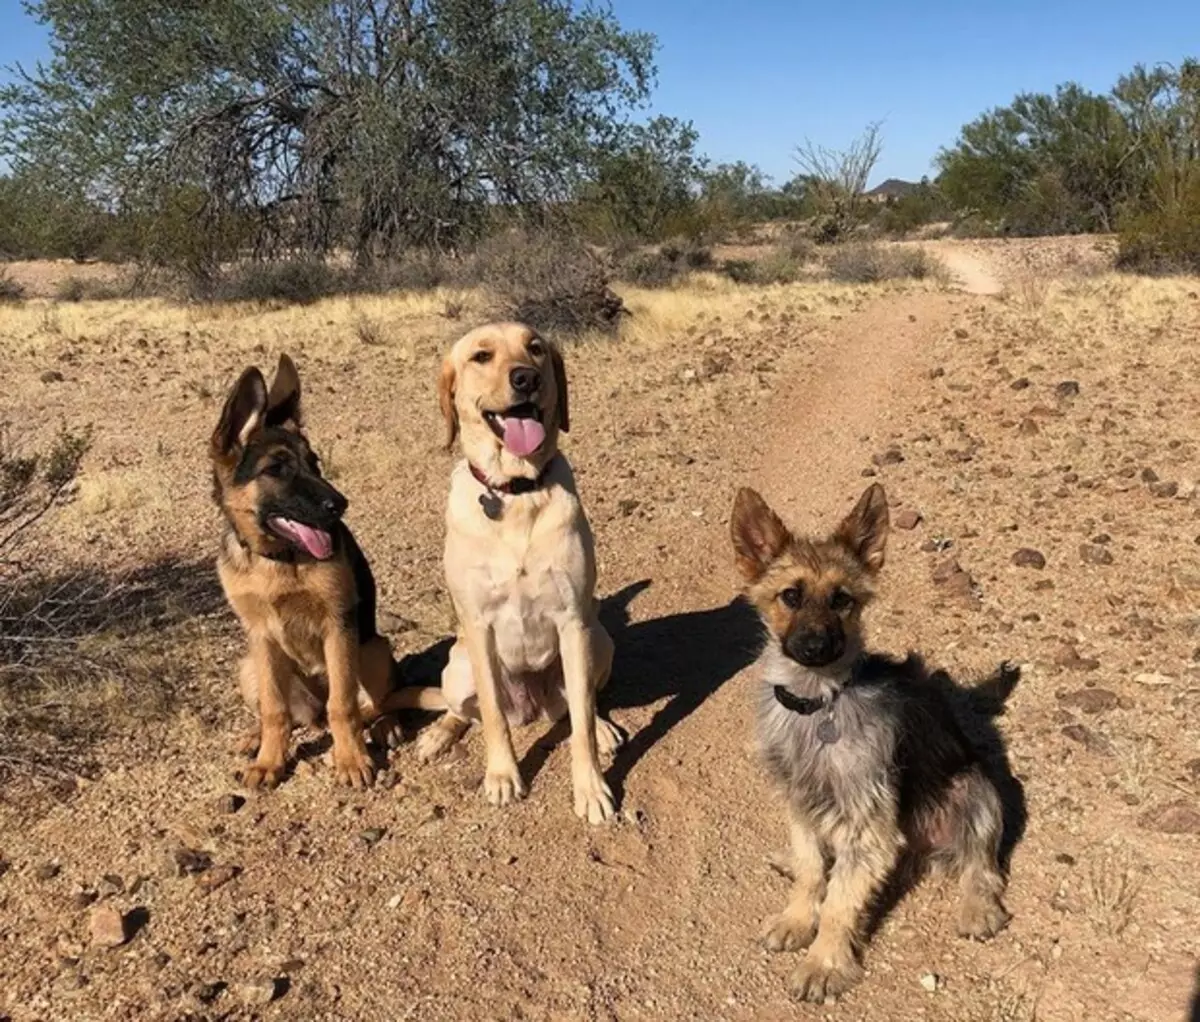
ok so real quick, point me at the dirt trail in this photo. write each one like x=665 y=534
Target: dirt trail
x=970 y=272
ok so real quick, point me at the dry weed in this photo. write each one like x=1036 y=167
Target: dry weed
x=1114 y=883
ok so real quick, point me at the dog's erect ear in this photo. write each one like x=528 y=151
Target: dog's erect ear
x=560 y=387
x=243 y=415
x=446 y=384
x=758 y=534
x=865 y=529
x=283 y=403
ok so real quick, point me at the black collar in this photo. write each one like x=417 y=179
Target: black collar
x=513 y=487
x=287 y=555
x=806 y=706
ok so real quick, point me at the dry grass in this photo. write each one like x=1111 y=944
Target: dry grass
x=1114 y=884
x=121 y=490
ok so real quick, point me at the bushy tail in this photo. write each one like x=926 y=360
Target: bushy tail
x=990 y=695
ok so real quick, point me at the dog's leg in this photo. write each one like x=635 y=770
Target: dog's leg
x=458 y=686
x=502 y=781
x=794 y=927
x=586 y=658
x=272 y=675
x=978 y=828
x=608 y=736
x=351 y=763
x=864 y=857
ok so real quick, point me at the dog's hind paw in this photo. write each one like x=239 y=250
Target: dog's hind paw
x=819 y=978
x=386 y=732
x=608 y=737
x=788 y=932
x=503 y=786
x=981 y=918
x=263 y=775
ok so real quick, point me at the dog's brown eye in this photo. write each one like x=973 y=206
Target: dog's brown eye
x=535 y=349
x=841 y=601
x=792 y=597
x=482 y=357
x=274 y=469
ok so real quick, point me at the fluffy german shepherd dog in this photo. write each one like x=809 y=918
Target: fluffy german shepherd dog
x=302 y=588
x=874 y=755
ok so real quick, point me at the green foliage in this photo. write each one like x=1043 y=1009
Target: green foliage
x=864 y=262
x=11 y=291
x=664 y=265
x=1163 y=240
x=926 y=204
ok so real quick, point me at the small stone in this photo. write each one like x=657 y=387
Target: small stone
x=1192 y=766
x=627 y=506
x=937 y=373
x=1020 y=383
x=218 y=876
x=908 y=519
x=1091 y=700
x=188 y=860
x=52 y=376
x=1178 y=817
x=394 y=901
x=372 y=836
x=946 y=571
x=47 y=871
x=230 y=803
x=257 y=991
x=110 y=884
x=929 y=982
x=394 y=624
x=206 y=993
x=1090 y=740
x=82 y=898
x=961 y=333
x=1028 y=427
x=1149 y=475
x=107 y=928
x=1027 y=557
x=1068 y=388
x=1094 y=553
x=1164 y=489
x=1154 y=680
x=1065 y=859
x=892 y=456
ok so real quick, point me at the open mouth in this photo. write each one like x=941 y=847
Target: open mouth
x=519 y=428
x=315 y=542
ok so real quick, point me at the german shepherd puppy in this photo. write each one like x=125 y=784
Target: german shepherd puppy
x=873 y=754
x=302 y=588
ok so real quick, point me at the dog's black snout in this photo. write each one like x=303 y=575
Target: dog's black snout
x=335 y=504
x=816 y=648
x=524 y=380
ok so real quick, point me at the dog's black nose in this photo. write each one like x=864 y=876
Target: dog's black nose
x=815 y=649
x=524 y=380
x=335 y=504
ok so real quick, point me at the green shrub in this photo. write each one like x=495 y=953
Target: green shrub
x=664 y=266
x=76 y=289
x=864 y=262
x=1161 y=242
x=10 y=290
x=291 y=282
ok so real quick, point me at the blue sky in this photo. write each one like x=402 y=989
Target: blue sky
x=758 y=76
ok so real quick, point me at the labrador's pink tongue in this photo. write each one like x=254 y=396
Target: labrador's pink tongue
x=319 y=544
x=523 y=436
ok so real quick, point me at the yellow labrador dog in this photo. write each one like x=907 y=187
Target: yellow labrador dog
x=520 y=567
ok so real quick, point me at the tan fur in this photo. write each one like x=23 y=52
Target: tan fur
x=305 y=663
x=529 y=639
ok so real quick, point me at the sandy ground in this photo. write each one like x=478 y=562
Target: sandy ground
x=1061 y=419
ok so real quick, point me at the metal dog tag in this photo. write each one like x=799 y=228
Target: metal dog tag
x=492 y=505
x=827 y=730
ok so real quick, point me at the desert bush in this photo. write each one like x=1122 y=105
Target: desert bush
x=77 y=289
x=552 y=281
x=291 y=281
x=663 y=266
x=868 y=263
x=10 y=290
x=1161 y=242
x=779 y=266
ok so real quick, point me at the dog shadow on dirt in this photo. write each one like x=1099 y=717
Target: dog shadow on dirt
x=683 y=658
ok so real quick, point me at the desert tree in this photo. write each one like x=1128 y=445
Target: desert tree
x=836 y=179
x=305 y=125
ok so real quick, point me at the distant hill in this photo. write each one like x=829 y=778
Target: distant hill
x=892 y=188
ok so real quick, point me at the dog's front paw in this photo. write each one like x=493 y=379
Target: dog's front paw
x=981 y=918
x=608 y=737
x=386 y=732
x=352 y=766
x=820 y=977
x=503 y=785
x=786 y=932
x=264 y=774
x=593 y=799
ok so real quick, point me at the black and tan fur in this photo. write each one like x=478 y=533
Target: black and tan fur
x=885 y=765
x=314 y=653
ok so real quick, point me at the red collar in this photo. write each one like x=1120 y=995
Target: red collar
x=514 y=487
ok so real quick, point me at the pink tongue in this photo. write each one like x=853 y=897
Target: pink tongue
x=318 y=544
x=523 y=436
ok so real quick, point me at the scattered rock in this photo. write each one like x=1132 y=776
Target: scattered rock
x=218 y=876
x=1028 y=427
x=206 y=993
x=956 y=582
x=1068 y=657
x=929 y=982
x=1178 y=817
x=1020 y=383
x=1192 y=766
x=1154 y=680
x=1068 y=388
x=110 y=884
x=394 y=623
x=257 y=991
x=937 y=373
x=1164 y=489
x=372 y=836
x=1027 y=557
x=1149 y=475
x=1065 y=859
x=230 y=803
x=946 y=571
x=107 y=928
x=1090 y=740
x=83 y=897
x=961 y=333
x=1090 y=700
x=892 y=456
x=188 y=860
x=47 y=871
x=907 y=519
x=52 y=376
x=1095 y=553
x=627 y=506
